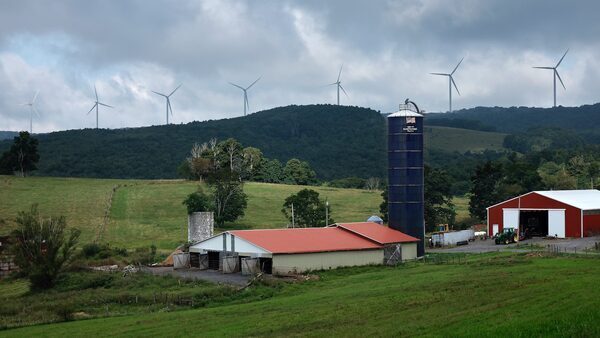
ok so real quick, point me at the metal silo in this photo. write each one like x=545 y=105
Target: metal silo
x=406 y=173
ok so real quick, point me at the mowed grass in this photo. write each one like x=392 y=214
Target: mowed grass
x=491 y=295
x=462 y=140
x=151 y=212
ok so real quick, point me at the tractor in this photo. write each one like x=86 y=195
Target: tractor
x=508 y=235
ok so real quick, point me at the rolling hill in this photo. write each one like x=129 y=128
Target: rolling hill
x=338 y=141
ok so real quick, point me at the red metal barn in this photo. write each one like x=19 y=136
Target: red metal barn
x=560 y=213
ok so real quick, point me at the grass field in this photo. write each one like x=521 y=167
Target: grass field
x=462 y=140
x=150 y=212
x=495 y=294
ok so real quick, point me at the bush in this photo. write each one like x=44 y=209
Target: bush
x=144 y=256
x=197 y=202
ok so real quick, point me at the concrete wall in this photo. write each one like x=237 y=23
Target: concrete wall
x=200 y=226
x=409 y=251
x=298 y=263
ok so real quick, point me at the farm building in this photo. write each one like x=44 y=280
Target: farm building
x=284 y=251
x=558 y=213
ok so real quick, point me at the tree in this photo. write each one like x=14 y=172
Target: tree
x=372 y=183
x=269 y=171
x=383 y=207
x=229 y=198
x=309 y=209
x=231 y=154
x=198 y=201
x=439 y=208
x=299 y=172
x=251 y=158
x=484 y=189
x=22 y=156
x=41 y=249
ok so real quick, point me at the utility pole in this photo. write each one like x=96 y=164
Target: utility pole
x=326 y=212
x=293 y=226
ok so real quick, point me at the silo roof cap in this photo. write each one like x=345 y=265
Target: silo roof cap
x=405 y=113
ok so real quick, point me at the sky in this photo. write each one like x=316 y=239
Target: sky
x=129 y=48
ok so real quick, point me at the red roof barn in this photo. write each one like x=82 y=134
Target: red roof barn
x=559 y=213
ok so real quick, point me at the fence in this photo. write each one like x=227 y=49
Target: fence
x=559 y=249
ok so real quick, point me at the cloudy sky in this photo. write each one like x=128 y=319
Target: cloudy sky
x=129 y=48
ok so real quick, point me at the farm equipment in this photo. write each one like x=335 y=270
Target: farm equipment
x=508 y=235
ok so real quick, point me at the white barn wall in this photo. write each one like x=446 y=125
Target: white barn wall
x=302 y=262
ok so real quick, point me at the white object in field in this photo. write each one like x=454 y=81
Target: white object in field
x=181 y=260
x=480 y=233
x=452 y=237
x=510 y=218
x=556 y=223
x=494 y=229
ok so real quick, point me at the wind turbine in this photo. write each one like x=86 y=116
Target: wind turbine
x=554 y=69
x=96 y=105
x=451 y=83
x=168 y=101
x=245 y=90
x=32 y=110
x=338 y=83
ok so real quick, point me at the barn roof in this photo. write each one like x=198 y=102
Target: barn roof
x=305 y=240
x=377 y=233
x=581 y=199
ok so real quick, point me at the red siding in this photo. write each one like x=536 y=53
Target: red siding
x=591 y=225
x=535 y=201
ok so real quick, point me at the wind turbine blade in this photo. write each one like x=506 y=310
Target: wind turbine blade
x=35 y=110
x=544 y=67
x=174 y=90
x=455 y=68
x=88 y=113
x=454 y=83
x=35 y=97
x=159 y=93
x=443 y=74
x=342 y=88
x=102 y=104
x=170 y=108
x=240 y=87
x=247 y=101
x=340 y=73
x=559 y=79
x=96 y=92
x=558 y=64
x=253 y=82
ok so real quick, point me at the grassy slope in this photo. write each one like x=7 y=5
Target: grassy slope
x=462 y=140
x=150 y=212
x=495 y=294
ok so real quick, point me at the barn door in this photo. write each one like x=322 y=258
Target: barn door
x=556 y=223
x=510 y=218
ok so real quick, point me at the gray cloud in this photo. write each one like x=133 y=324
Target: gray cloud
x=128 y=48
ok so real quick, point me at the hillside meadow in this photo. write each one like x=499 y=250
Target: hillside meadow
x=494 y=294
x=146 y=212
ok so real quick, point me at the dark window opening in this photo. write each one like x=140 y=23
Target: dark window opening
x=213 y=260
x=266 y=265
x=533 y=223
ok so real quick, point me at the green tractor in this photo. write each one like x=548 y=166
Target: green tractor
x=508 y=235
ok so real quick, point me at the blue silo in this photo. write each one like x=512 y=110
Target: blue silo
x=406 y=173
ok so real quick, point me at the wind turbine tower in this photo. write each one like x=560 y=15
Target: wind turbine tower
x=555 y=71
x=338 y=84
x=32 y=110
x=96 y=105
x=245 y=90
x=168 y=98
x=451 y=83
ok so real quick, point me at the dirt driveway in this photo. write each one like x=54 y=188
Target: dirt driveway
x=479 y=246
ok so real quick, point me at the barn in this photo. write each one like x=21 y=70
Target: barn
x=284 y=251
x=557 y=213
